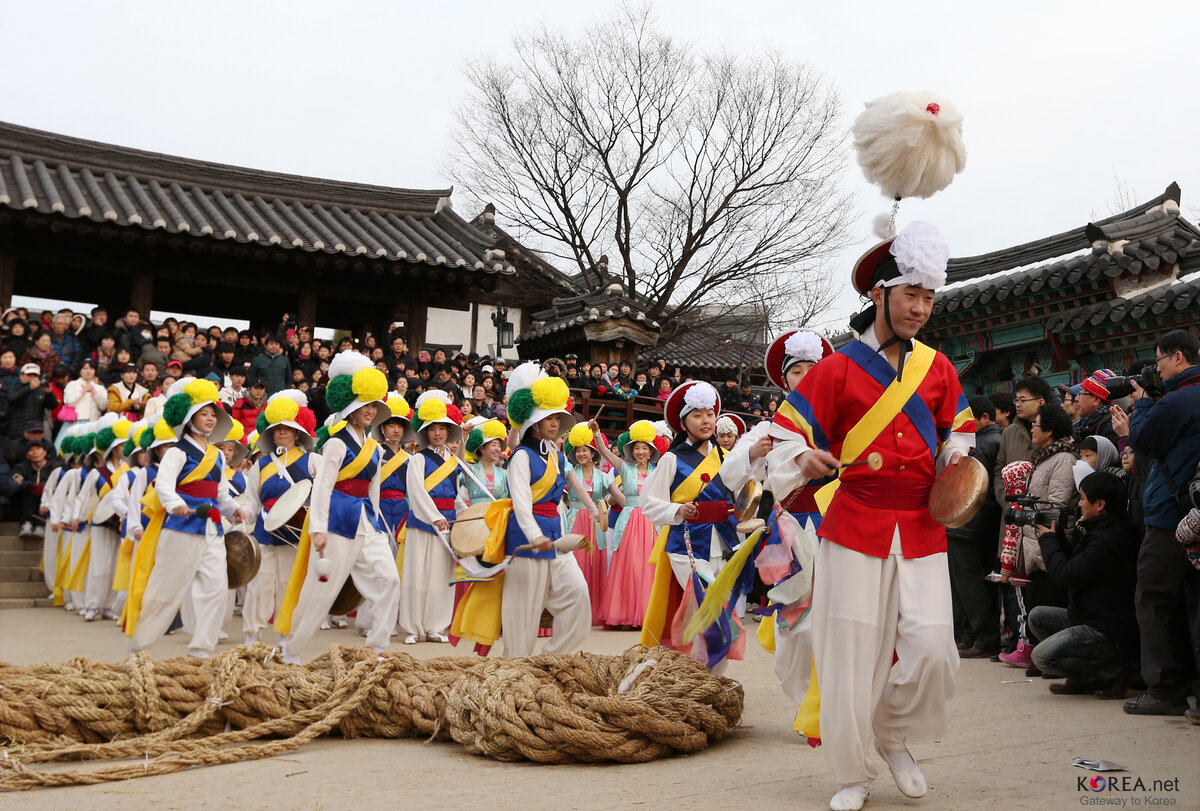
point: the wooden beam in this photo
(8, 279)
(471, 345)
(142, 294)
(306, 309)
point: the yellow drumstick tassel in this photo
(718, 593)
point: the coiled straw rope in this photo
(177, 713)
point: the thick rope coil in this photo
(178, 713)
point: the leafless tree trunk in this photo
(705, 177)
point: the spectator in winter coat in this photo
(157, 353)
(1092, 404)
(28, 401)
(272, 366)
(104, 358)
(1094, 640)
(1054, 455)
(235, 389)
(86, 395)
(247, 409)
(19, 340)
(134, 333)
(127, 397)
(91, 335)
(185, 348)
(42, 354)
(201, 363)
(64, 342)
(1016, 441)
(30, 476)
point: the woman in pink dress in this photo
(583, 456)
(630, 575)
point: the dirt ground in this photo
(1009, 746)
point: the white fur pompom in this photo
(431, 394)
(804, 345)
(347, 363)
(295, 395)
(910, 144)
(107, 421)
(700, 395)
(921, 254)
(726, 426)
(884, 226)
(662, 429)
(177, 386)
(524, 376)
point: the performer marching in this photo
(183, 551)
(631, 575)
(486, 442)
(688, 499)
(285, 443)
(427, 600)
(344, 527)
(100, 550)
(881, 579)
(584, 474)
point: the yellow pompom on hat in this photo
(353, 383)
(641, 431)
(236, 436)
(162, 432)
(434, 407)
(533, 395)
(186, 397)
(288, 408)
(401, 411)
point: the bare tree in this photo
(712, 178)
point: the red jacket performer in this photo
(881, 586)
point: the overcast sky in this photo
(1058, 97)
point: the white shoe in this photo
(411, 640)
(338, 622)
(110, 615)
(850, 797)
(223, 636)
(69, 606)
(437, 638)
(325, 626)
(251, 639)
(26, 530)
(40, 531)
(291, 659)
(89, 616)
(364, 631)
(905, 771)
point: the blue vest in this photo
(446, 488)
(192, 523)
(550, 525)
(130, 475)
(106, 477)
(687, 459)
(345, 509)
(394, 510)
(275, 487)
(237, 484)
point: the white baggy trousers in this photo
(864, 608)
(558, 585)
(265, 592)
(367, 559)
(185, 564)
(427, 595)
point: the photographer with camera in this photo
(1093, 404)
(1093, 642)
(1167, 430)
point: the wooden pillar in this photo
(306, 310)
(8, 280)
(141, 296)
(471, 345)
(418, 316)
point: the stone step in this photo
(17, 602)
(9, 527)
(27, 589)
(14, 558)
(19, 574)
(44, 602)
(15, 544)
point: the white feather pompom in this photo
(347, 363)
(662, 429)
(177, 386)
(804, 345)
(106, 421)
(700, 395)
(921, 254)
(726, 426)
(910, 144)
(884, 226)
(524, 376)
(295, 395)
(431, 394)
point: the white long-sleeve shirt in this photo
(48, 489)
(737, 469)
(169, 470)
(332, 454)
(83, 498)
(64, 496)
(520, 490)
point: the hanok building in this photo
(94, 222)
(1093, 297)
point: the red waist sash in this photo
(803, 500)
(888, 494)
(359, 488)
(202, 489)
(546, 509)
(711, 512)
(392, 495)
(444, 503)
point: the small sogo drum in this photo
(242, 558)
(286, 517)
(469, 532)
(348, 599)
(958, 492)
(745, 508)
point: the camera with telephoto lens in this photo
(1148, 378)
(1023, 511)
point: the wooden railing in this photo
(617, 414)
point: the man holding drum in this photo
(882, 587)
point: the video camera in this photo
(1148, 378)
(1023, 512)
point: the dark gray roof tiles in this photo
(79, 179)
(574, 311)
(1181, 295)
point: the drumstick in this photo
(472, 518)
(874, 461)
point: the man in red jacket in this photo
(881, 585)
(246, 409)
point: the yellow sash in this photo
(61, 564)
(78, 577)
(283, 617)
(143, 559)
(393, 464)
(477, 616)
(880, 416)
(270, 470)
(438, 476)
